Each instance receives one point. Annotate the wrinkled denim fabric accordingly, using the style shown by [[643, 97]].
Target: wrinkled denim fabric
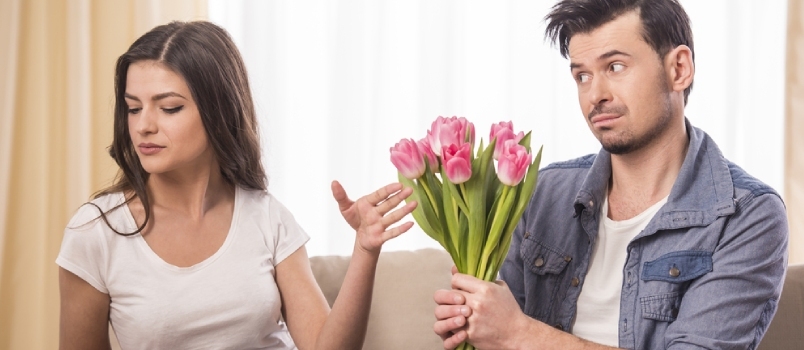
[[706, 272]]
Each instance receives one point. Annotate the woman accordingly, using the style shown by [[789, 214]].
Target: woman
[[187, 249]]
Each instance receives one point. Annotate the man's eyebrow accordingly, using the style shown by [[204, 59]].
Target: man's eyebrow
[[601, 57], [612, 53], [157, 97]]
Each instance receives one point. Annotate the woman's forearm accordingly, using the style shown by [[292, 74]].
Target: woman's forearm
[[345, 327]]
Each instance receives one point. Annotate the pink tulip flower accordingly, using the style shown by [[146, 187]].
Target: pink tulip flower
[[428, 154], [503, 131], [449, 131], [513, 163], [407, 159], [456, 162]]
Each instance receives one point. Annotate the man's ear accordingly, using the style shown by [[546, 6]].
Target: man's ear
[[679, 67]]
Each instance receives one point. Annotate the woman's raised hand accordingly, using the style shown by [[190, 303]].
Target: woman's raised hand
[[372, 214]]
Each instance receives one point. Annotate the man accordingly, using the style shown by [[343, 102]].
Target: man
[[658, 242]]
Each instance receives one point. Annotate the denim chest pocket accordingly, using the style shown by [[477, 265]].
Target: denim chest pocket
[[544, 268], [673, 271], [541, 259]]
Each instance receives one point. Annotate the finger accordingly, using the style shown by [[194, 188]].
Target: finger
[[396, 231], [454, 269], [340, 196], [443, 312], [455, 340], [393, 201], [468, 283], [445, 328], [448, 297], [396, 215], [379, 195]]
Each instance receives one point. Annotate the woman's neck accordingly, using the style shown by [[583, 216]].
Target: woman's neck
[[192, 193]]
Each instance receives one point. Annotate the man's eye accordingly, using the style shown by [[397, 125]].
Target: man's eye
[[582, 78], [617, 67], [134, 110], [172, 110]]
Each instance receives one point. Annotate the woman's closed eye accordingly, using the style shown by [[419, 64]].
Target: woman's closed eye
[[173, 110]]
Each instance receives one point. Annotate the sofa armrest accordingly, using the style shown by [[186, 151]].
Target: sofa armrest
[[402, 303], [786, 331]]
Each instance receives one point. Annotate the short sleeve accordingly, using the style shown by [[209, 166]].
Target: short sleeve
[[288, 235], [83, 249]]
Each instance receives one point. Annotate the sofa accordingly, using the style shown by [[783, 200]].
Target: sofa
[[402, 304]]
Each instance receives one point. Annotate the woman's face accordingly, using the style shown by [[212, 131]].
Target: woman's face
[[163, 121]]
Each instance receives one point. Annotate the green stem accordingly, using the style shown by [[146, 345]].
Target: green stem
[[494, 236], [429, 193]]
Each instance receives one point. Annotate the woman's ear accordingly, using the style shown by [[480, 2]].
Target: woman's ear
[[680, 67]]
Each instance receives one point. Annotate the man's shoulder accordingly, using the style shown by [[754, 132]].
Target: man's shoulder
[[584, 162], [744, 182]]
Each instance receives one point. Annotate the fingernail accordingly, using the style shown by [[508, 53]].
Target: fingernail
[[465, 311], [459, 321], [457, 300]]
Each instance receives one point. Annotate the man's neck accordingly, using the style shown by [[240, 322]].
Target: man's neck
[[641, 178]]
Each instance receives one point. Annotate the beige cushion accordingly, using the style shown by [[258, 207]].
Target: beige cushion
[[402, 304], [787, 328]]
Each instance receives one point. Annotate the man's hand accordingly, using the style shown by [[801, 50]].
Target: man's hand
[[483, 313], [451, 313]]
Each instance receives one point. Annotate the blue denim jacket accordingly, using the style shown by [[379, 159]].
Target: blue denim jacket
[[706, 272]]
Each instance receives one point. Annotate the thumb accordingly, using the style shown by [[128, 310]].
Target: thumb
[[340, 196]]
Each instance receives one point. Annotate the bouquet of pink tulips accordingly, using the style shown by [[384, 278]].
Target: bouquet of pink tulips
[[466, 203]]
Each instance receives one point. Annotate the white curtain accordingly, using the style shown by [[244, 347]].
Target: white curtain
[[337, 83]]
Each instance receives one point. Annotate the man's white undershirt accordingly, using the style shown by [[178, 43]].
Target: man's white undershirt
[[597, 319]]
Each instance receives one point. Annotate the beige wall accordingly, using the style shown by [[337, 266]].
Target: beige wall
[[794, 127], [56, 96]]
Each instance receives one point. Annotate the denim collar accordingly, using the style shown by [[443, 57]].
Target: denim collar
[[702, 192]]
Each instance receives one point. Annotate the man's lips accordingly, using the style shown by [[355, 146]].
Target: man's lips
[[603, 118]]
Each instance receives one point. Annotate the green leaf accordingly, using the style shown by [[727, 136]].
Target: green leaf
[[524, 193], [450, 219], [420, 213], [456, 195], [526, 141]]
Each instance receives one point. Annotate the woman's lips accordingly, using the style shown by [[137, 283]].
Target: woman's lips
[[149, 148]]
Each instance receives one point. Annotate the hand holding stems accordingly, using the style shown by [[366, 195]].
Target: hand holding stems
[[371, 215], [483, 313]]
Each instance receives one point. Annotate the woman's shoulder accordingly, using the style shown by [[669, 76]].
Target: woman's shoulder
[[264, 205], [263, 202], [91, 213]]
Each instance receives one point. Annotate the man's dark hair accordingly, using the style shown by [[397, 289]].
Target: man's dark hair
[[665, 24]]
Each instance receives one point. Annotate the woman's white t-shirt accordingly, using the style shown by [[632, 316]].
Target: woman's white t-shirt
[[228, 301]]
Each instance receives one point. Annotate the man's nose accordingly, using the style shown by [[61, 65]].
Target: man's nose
[[599, 91]]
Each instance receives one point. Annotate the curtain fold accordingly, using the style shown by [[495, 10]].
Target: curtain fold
[[794, 125], [56, 101]]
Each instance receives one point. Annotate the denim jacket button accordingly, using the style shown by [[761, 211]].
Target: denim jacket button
[[559, 327], [674, 271], [527, 234], [575, 281], [567, 258], [539, 262]]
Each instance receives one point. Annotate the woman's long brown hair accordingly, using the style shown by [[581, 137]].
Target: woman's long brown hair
[[206, 57]]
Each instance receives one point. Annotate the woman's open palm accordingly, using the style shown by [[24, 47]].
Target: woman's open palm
[[371, 215]]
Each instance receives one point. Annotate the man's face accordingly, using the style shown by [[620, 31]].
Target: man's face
[[623, 87]]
